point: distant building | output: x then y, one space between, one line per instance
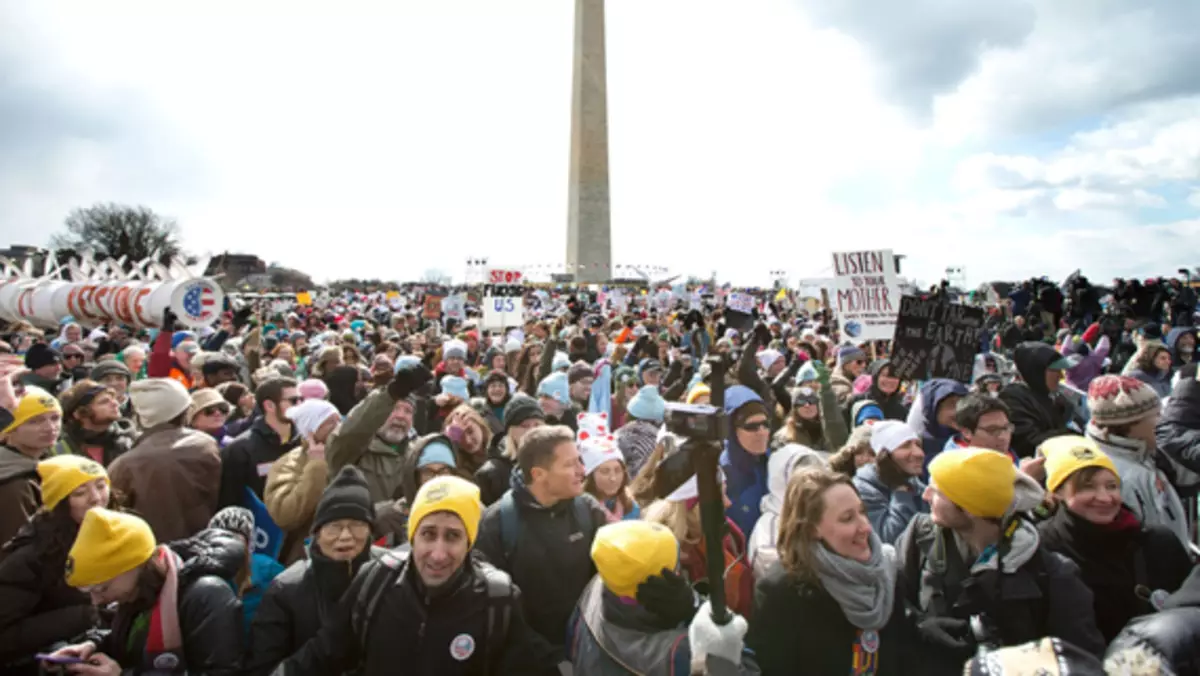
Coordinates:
233 268
19 253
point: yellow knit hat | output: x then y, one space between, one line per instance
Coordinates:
34 402
447 494
700 390
979 481
1067 455
109 544
62 474
626 553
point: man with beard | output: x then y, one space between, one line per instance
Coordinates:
374 437
92 423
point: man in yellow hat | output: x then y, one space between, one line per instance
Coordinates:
975 570
437 605
36 422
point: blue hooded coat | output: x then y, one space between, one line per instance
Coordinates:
933 435
745 474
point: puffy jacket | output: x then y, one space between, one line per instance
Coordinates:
1035 413
37 608
1115 560
20 491
299 602
210 614
443 632
552 560
1173 633
745 474
1178 431
889 511
357 442
247 460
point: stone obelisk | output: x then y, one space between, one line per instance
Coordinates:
589 236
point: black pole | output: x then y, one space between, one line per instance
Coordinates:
712 506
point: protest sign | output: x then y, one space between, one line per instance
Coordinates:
936 339
740 302
866 294
505 276
304 298
453 306
433 307
503 311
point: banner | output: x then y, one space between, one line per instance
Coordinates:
433 307
866 294
268 537
505 276
503 311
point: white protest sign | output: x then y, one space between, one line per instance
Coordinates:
866 294
498 276
503 311
695 302
453 307
740 302
620 302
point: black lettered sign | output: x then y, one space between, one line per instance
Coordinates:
936 339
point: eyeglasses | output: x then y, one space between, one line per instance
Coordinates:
335 528
997 430
754 426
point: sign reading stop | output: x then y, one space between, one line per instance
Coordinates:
505 277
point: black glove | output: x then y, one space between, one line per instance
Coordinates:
169 318
241 318
409 380
668 596
947 632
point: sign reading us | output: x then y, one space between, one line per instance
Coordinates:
501 312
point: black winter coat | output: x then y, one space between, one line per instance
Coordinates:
797 628
210 614
246 461
424 632
298 603
112 442
552 561
1173 633
494 476
1108 564
892 405
37 608
1036 414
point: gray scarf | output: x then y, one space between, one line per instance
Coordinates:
864 590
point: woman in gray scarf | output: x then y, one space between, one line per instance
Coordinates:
829 605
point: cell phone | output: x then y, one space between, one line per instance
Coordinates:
58 659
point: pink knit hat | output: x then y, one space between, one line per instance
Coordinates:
313 389
1120 400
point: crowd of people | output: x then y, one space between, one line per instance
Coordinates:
361 486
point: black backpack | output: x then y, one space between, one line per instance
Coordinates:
383 573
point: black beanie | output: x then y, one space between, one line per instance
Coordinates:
496 377
520 408
347 497
39 355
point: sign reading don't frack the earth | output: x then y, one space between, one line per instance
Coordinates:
936 339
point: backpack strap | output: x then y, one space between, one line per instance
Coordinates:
583 517
499 610
380 575
510 525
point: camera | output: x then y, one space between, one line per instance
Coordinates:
697 423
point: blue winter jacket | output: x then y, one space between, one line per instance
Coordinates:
935 436
888 511
745 474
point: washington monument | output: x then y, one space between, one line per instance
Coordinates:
589 235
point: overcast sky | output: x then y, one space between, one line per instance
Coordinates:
1009 138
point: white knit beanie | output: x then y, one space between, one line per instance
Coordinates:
158 400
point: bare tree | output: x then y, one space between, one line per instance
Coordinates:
116 230
435 276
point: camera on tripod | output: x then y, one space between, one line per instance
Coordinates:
697 423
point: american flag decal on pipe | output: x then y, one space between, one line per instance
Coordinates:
199 302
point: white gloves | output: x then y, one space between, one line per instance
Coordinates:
708 638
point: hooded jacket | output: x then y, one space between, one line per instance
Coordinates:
892 404
934 435
760 548
1040 593
1033 411
1173 336
552 560
210 614
299 602
1115 559
20 491
745 474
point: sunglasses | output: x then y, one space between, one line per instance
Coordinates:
754 426
212 411
73 355
294 401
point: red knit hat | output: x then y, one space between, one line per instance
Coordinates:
1120 400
